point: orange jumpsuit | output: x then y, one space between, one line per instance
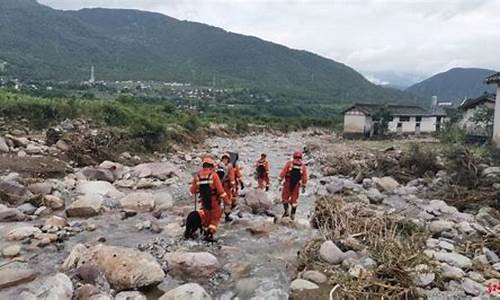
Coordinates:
210 217
263 181
229 184
238 178
291 195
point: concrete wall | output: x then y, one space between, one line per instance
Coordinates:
427 124
496 127
356 123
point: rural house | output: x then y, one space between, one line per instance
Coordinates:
495 79
470 107
360 120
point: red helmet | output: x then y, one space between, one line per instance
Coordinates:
208 160
297 154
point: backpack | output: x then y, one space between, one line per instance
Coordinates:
221 172
205 190
261 170
295 174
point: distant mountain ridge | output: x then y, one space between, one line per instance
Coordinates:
39 42
454 85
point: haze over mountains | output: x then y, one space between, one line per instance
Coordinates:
454 85
39 42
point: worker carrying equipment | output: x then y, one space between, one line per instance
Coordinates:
294 177
207 185
262 172
226 171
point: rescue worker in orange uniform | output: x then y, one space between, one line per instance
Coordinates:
207 185
238 175
295 177
262 172
225 170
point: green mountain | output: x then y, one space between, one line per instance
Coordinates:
454 85
38 42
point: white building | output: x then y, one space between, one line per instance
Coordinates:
495 79
469 108
359 120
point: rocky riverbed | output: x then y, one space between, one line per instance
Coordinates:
114 230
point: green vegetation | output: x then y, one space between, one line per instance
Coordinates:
42 43
156 122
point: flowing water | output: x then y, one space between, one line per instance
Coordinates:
254 266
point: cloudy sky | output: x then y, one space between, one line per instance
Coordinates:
386 40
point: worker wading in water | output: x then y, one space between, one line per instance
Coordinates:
262 172
295 177
207 185
225 171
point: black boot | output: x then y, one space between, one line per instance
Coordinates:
285 206
267 188
228 218
294 210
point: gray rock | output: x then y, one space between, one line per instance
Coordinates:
258 200
98 174
163 201
192 264
476 276
14 193
246 287
57 287
315 276
11 251
449 272
453 259
138 201
12 276
375 196
42 188
440 226
491 256
4 148
473 288
84 207
27 208
130 296
301 284
446 246
10 214
98 190
159 170
22 232
385 184
331 253
53 202
488 216
356 271
491 171
422 276
190 291
124 268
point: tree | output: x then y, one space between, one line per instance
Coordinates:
484 119
382 118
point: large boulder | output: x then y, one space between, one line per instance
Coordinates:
163 201
4 148
138 201
117 169
42 188
53 202
190 291
159 170
11 276
194 264
84 207
57 287
258 200
14 193
22 232
331 253
124 268
386 184
453 259
98 189
10 214
91 173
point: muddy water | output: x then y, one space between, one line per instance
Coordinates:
265 261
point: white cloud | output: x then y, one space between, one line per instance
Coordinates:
418 37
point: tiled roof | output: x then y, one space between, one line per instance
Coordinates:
394 109
495 78
472 102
